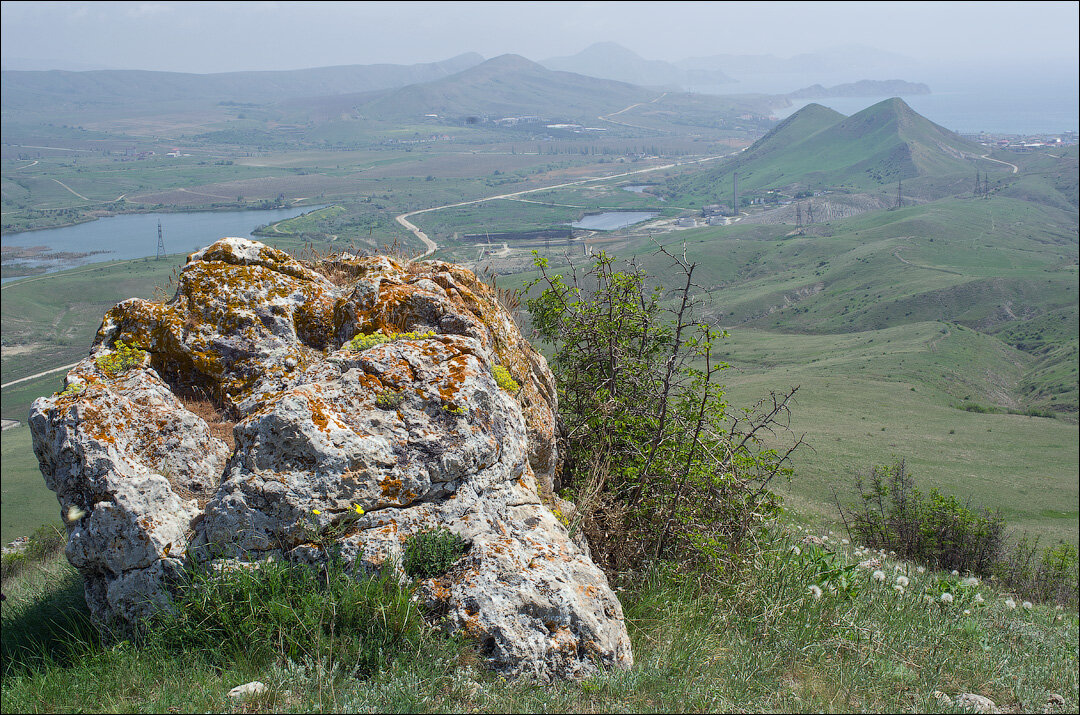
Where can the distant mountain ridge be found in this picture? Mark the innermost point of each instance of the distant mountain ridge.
(57, 89)
(508, 85)
(609, 60)
(862, 88)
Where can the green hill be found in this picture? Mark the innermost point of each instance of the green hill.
(817, 148)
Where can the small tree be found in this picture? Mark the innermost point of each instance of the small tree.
(654, 461)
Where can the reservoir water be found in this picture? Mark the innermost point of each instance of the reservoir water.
(135, 235)
(613, 220)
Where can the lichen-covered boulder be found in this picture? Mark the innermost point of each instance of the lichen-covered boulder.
(364, 386)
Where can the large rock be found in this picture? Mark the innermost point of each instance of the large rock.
(413, 428)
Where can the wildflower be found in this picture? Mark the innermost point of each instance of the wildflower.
(1010, 604)
(845, 542)
(970, 581)
(955, 572)
(902, 581)
(316, 512)
(359, 511)
(979, 598)
(879, 576)
(815, 591)
(967, 611)
(74, 513)
(946, 597)
(899, 590)
(920, 570)
(1026, 605)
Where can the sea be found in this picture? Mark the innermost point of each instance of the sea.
(1034, 100)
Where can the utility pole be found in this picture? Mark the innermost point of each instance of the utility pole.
(160, 243)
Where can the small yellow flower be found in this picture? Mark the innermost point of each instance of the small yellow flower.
(316, 512)
(358, 510)
(74, 513)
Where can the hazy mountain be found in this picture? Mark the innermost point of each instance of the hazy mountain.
(609, 60)
(862, 88)
(63, 90)
(835, 59)
(507, 85)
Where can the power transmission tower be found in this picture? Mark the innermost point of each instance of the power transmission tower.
(160, 243)
(899, 193)
(810, 212)
(978, 188)
(798, 215)
(986, 184)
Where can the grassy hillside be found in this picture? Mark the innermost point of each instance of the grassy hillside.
(817, 149)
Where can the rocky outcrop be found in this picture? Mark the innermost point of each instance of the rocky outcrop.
(364, 385)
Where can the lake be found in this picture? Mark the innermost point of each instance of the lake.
(613, 220)
(135, 235)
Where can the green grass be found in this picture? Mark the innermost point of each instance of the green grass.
(760, 643)
(25, 500)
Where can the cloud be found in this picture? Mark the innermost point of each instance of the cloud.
(149, 9)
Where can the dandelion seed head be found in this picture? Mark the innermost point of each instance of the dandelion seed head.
(979, 598)
(902, 581)
(815, 591)
(970, 581)
(1026, 605)
(946, 597)
(1010, 604)
(967, 611)
(845, 542)
(879, 575)
(899, 590)
(920, 569)
(955, 572)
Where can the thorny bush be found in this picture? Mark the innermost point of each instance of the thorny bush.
(655, 462)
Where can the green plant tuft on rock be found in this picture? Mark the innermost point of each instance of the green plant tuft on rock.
(389, 399)
(121, 359)
(504, 380)
(363, 341)
(432, 552)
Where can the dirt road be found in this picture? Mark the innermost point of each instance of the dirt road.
(403, 219)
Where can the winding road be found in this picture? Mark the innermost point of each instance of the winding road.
(431, 246)
(1015, 168)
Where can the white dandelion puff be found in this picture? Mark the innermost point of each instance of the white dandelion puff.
(979, 598)
(946, 597)
(1026, 605)
(970, 581)
(955, 572)
(879, 576)
(967, 611)
(845, 542)
(815, 591)
(920, 570)
(902, 581)
(1010, 604)
(899, 590)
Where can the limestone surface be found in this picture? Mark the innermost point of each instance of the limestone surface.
(360, 384)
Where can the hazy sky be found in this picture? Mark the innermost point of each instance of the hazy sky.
(226, 36)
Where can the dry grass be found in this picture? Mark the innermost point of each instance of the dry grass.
(218, 422)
